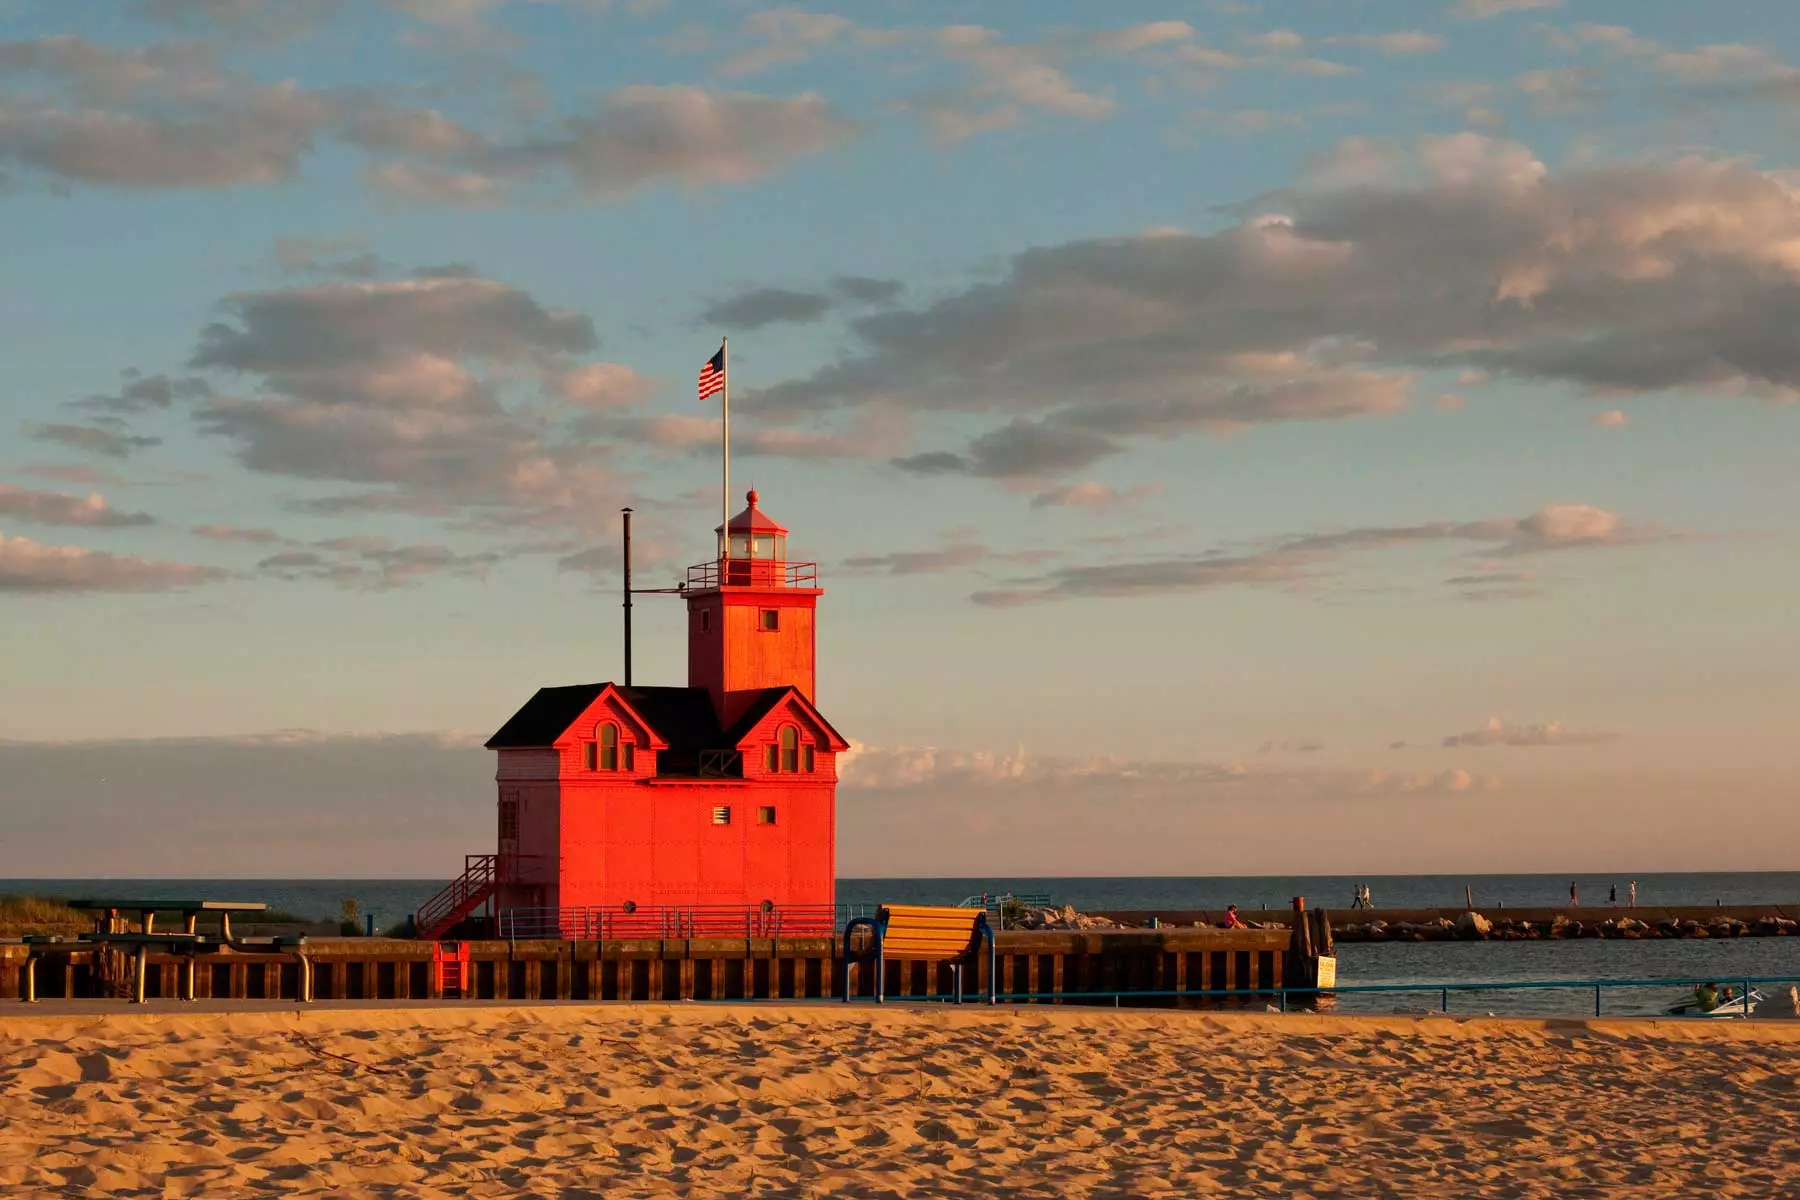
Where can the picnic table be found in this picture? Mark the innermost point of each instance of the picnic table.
(113, 921)
(116, 916)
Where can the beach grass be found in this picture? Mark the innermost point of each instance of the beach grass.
(21, 915)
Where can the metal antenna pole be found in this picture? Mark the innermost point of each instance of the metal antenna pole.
(725, 458)
(625, 514)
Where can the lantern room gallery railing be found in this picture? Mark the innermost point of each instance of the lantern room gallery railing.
(757, 572)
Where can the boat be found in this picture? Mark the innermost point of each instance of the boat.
(1737, 1006)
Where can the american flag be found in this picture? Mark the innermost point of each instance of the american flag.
(712, 375)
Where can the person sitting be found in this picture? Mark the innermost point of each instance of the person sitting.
(1727, 995)
(1231, 918)
(1706, 996)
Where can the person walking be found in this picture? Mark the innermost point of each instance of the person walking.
(1574, 897)
(1612, 894)
(1631, 894)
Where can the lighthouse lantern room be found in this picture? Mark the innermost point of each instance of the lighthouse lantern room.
(715, 797)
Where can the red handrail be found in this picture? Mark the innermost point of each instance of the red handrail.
(460, 896)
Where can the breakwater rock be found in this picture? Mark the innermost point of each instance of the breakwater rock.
(1474, 926)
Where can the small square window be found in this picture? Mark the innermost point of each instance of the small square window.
(722, 815)
(590, 755)
(765, 815)
(771, 619)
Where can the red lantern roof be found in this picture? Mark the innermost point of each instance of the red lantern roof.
(753, 519)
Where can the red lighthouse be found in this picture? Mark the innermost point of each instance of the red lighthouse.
(713, 797)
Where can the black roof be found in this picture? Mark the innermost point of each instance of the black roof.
(545, 717)
(681, 716)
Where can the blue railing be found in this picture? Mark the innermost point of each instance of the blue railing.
(1284, 996)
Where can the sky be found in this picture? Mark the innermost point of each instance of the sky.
(1235, 438)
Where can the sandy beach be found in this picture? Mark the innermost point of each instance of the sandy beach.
(803, 1102)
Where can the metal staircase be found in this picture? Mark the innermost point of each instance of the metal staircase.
(464, 894)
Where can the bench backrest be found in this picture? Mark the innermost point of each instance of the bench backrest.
(919, 931)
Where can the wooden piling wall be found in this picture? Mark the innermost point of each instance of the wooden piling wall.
(1049, 964)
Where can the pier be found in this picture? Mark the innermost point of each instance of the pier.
(1042, 963)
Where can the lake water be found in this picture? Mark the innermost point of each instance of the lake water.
(390, 900)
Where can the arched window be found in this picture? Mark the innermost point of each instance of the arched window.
(609, 747)
(790, 748)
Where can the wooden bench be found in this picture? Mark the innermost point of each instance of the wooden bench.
(920, 933)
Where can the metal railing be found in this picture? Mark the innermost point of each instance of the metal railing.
(758, 572)
(480, 871)
(613, 922)
(1284, 997)
(1002, 905)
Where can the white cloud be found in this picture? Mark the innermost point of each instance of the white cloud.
(32, 568)
(1498, 732)
(1095, 497)
(1309, 560)
(58, 508)
(1482, 10)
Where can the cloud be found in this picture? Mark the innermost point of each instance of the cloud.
(57, 508)
(341, 802)
(151, 117)
(1482, 10)
(601, 386)
(1498, 732)
(326, 258)
(679, 433)
(243, 18)
(650, 133)
(111, 439)
(781, 36)
(144, 393)
(1095, 497)
(170, 116)
(930, 769)
(403, 385)
(958, 551)
(763, 306)
(1453, 781)
(1401, 43)
(32, 568)
(1012, 80)
(1617, 277)
(766, 306)
(1020, 450)
(234, 533)
(1612, 418)
(375, 564)
(1306, 560)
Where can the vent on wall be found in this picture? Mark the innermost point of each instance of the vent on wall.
(722, 815)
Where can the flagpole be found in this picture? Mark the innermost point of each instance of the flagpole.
(724, 490)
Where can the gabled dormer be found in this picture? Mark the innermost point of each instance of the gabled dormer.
(782, 736)
(586, 731)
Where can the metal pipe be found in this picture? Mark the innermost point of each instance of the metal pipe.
(625, 513)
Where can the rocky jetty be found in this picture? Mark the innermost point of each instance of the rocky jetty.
(1477, 927)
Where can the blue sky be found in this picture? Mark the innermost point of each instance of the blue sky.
(1202, 413)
